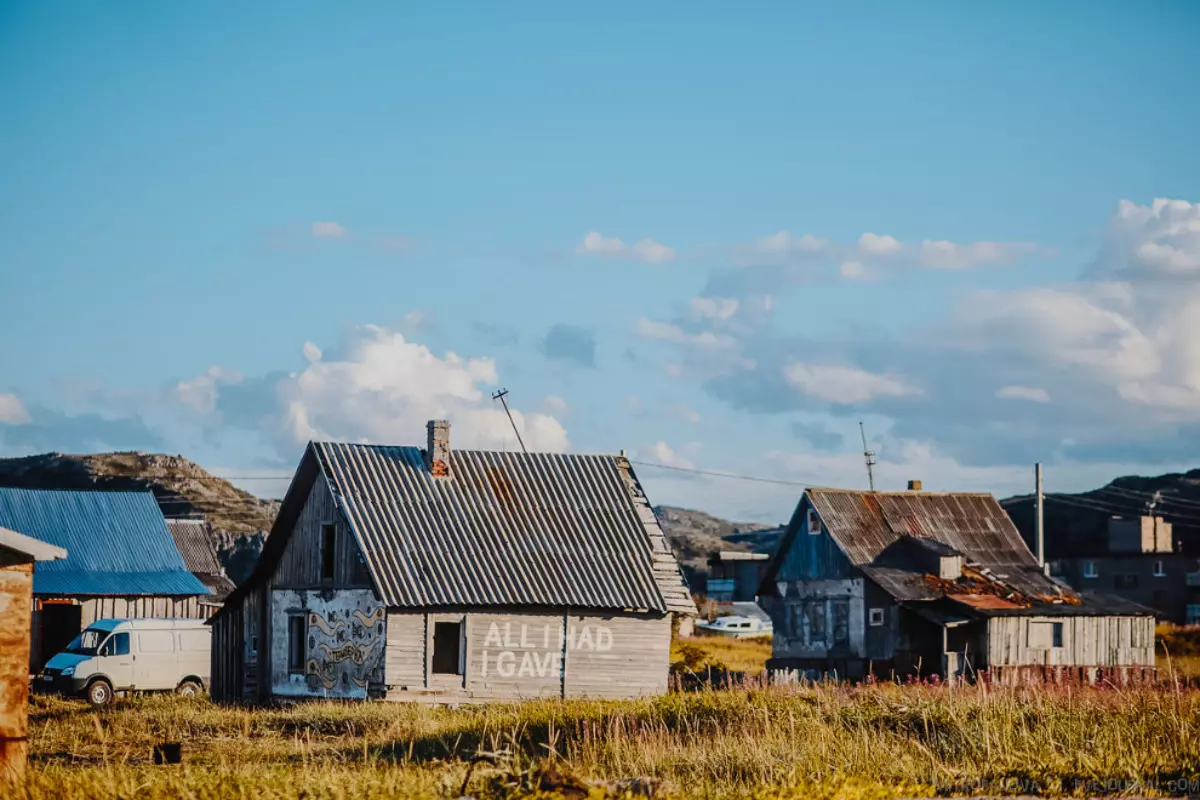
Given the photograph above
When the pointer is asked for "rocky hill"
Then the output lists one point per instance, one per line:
(181, 487)
(694, 535)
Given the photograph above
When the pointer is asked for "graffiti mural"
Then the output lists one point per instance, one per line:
(343, 642)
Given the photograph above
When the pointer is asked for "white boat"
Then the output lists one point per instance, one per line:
(736, 626)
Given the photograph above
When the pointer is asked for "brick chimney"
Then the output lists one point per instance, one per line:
(437, 447)
(914, 486)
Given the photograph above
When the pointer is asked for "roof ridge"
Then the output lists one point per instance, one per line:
(453, 450)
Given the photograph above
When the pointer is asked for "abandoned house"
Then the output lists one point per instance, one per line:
(194, 540)
(121, 562)
(453, 576)
(1140, 561)
(923, 583)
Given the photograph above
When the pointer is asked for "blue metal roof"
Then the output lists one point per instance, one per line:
(117, 543)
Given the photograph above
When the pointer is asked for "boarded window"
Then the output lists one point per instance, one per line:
(296, 643)
(195, 641)
(875, 617)
(1040, 636)
(841, 622)
(328, 543)
(447, 639)
(156, 642)
(816, 622)
(117, 645)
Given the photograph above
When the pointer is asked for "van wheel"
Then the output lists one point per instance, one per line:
(99, 693)
(189, 688)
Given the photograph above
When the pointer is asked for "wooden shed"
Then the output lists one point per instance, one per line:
(929, 583)
(17, 556)
(452, 577)
(123, 562)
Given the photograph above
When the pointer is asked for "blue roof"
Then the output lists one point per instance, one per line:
(117, 543)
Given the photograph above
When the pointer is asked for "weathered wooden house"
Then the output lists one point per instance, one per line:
(122, 562)
(194, 540)
(923, 583)
(17, 556)
(445, 577)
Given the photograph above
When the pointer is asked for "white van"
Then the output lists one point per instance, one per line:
(131, 655)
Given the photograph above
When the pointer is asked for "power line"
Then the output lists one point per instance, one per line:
(714, 474)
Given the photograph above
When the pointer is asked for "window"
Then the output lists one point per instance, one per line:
(1089, 570)
(447, 637)
(254, 644)
(1159, 572)
(1056, 634)
(841, 622)
(814, 523)
(156, 642)
(117, 645)
(816, 622)
(328, 541)
(296, 644)
(1125, 582)
(875, 617)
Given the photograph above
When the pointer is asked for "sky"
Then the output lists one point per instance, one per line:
(715, 236)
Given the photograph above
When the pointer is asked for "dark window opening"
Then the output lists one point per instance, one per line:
(841, 622)
(328, 541)
(1125, 581)
(447, 638)
(117, 645)
(1056, 634)
(296, 648)
(816, 622)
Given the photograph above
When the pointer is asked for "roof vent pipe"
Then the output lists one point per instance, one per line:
(437, 447)
(914, 486)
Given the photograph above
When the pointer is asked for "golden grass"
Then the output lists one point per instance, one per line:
(782, 742)
(741, 655)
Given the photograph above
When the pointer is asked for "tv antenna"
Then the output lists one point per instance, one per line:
(869, 456)
(500, 395)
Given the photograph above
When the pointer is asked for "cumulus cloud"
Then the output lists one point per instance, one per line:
(1160, 240)
(200, 393)
(840, 384)
(553, 404)
(1031, 393)
(661, 453)
(570, 343)
(783, 243)
(876, 245)
(667, 332)
(948, 255)
(645, 250)
(714, 308)
(13, 411)
(328, 230)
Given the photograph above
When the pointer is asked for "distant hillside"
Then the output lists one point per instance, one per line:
(1077, 524)
(181, 487)
(694, 535)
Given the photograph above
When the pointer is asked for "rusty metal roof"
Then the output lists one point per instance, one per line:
(981, 601)
(193, 537)
(864, 524)
(502, 529)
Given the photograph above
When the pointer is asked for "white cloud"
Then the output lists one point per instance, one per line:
(13, 411)
(875, 245)
(645, 250)
(714, 308)
(661, 453)
(852, 270)
(553, 404)
(1031, 393)
(383, 388)
(843, 385)
(666, 332)
(1161, 239)
(200, 393)
(312, 353)
(329, 230)
(948, 255)
(783, 243)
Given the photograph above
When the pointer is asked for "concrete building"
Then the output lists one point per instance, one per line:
(1139, 562)
(918, 583)
(17, 556)
(451, 577)
(122, 562)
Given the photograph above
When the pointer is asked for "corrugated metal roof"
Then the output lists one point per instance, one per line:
(525, 529)
(117, 543)
(193, 538)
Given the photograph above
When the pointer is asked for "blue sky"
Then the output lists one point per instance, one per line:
(193, 193)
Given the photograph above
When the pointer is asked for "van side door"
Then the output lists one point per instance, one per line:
(155, 665)
(195, 653)
(115, 660)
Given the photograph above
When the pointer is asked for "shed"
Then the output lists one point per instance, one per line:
(122, 562)
(451, 577)
(17, 556)
(916, 583)
(194, 540)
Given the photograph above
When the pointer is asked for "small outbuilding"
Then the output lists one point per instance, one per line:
(17, 556)
(122, 562)
(928, 583)
(194, 540)
(454, 577)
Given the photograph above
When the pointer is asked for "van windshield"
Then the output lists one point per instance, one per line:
(86, 643)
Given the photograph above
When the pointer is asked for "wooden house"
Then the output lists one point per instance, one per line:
(194, 540)
(122, 562)
(17, 556)
(452, 577)
(926, 583)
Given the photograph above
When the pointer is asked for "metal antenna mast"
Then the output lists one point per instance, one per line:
(500, 395)
(869, 456)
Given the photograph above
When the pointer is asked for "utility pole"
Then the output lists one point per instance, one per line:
(869, 456)
(500, 395)
(1039, 519)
